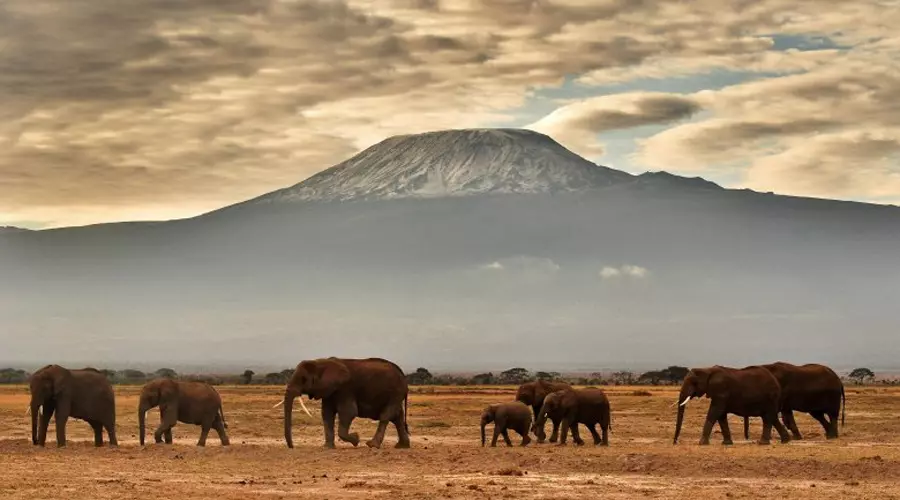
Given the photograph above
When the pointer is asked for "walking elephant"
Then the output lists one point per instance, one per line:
(196, 403)
(747, 392)
(513, 415)
(533, 394)
(811, 388)
(84, 394)
(578, 406)
(370, 388)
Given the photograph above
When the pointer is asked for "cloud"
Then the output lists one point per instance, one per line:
(160, 109)
(576, 125)
(625, 271)
(523, 266)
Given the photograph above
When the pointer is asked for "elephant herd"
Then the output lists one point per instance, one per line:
(377, 389)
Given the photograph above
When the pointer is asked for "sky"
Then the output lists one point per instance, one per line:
(154, 109)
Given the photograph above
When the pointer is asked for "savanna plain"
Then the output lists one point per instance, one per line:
(447, 460)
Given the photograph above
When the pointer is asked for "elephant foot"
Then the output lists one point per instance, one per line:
(402, 445)
(329, 446)
(562, 444)
(704, 442)
(785, 440)
(727, 442)
(764, 442)
(831, 436)
(541, 440)
(373, 444)
(601, 443)
(797, 437)
(579, 443)
(526, 440)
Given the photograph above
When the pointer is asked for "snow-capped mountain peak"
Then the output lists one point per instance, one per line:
(453, 163)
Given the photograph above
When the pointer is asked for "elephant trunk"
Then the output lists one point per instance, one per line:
(747, 428)
(288, 409)
(683, 397)
(142, 417)
(35, 409)
(538, 426)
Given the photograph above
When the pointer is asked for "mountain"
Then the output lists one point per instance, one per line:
(467, 249)
(453, 163)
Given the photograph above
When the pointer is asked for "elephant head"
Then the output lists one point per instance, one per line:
(46, 385)
(487, 416)
(159, 392)
(695, 385)
(555, 405)
(318, 379)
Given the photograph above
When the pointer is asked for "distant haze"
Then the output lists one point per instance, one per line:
(466, 250)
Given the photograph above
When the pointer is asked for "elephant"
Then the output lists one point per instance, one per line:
(512, 415)
(811, 388)
(372, 388)
(571, 407)
(747, 392)
(533, 394)
(84, 394)
(195, 403)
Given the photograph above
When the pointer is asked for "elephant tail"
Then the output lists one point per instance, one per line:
(843, 406)
(222, 416)
(405, 408)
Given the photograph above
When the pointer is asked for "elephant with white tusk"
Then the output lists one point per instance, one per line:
(370, 388)
(84, 394)
(747, 392)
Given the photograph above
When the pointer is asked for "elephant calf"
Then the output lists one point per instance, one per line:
(514, 415)
(588, 406)
(195, 403)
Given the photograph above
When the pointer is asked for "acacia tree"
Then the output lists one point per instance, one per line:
(247, 376)
(860, 375)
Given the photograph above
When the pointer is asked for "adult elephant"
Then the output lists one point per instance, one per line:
(195, 403)
(84, 394)
(811, 388)
(588, 407)
(747, 392)
(533, 394)
(372, 388)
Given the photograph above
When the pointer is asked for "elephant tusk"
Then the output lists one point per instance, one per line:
(28, 411)
(41, 411)
(304, 406)
(686, 401)
(278, 404)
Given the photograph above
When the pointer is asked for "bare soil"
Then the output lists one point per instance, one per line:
(447, 461)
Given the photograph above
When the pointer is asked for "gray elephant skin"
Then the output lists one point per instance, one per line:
(747, 392)
(505, 416)
(196, 403)
(533, 394)
(84, 394)
(372, 388)
(589, 407)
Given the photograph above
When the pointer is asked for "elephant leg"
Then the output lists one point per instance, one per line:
(47, 414)
(726, 431)
(523, 431)
(204, 432)
(712, 416)
(347, 411)
(554, 435)
(402, 433)
(820, 417)
(791, 424)
(604, 429)
(98, 432)
(496, 435)
(111, 432)
(576, 435)
(594, 434)
(328, 415)
(505, 433)
(376, 440)
(219, 426)
(61, 416)
(538, 431)
(167, 418)
(564, 432)
(832, 431)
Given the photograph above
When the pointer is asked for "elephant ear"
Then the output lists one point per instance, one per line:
(527, 393)
(168, 391)
(60, 380)
(568, 400)
(330, 376)
(702, 375)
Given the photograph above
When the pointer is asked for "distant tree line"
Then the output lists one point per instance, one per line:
(672, 375)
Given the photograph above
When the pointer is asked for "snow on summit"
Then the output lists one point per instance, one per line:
(453, 163)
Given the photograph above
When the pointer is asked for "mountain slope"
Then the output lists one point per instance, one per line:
(453, 163)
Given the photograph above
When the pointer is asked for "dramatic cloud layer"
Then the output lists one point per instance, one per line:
(159, 109)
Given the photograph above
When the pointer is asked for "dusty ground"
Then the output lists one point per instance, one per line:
(447, 461)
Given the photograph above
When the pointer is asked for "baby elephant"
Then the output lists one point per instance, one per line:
(189, 402)
(588, 407)
(513, 415)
